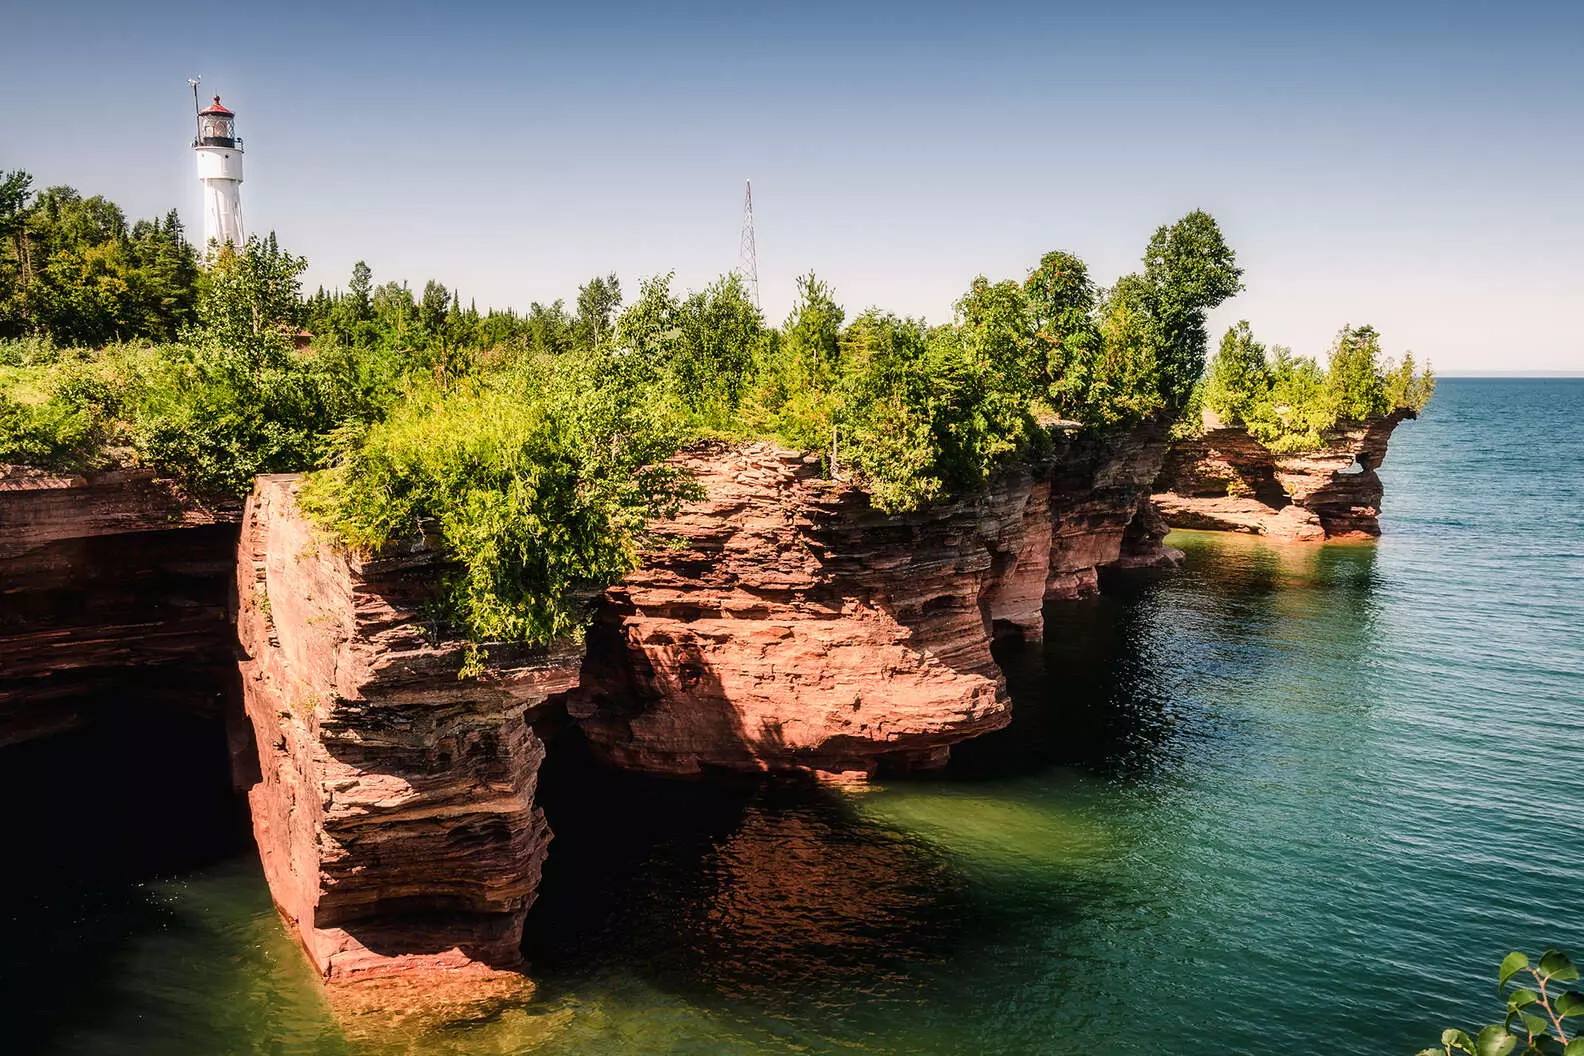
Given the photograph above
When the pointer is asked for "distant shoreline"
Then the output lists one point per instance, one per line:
(1515, 374)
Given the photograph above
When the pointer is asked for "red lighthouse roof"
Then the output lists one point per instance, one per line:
(217, 109)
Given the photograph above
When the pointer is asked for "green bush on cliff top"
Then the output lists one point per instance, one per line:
(536, 444)
(1290, 402)
(540, 480)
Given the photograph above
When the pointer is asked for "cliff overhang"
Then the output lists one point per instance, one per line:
(1226, 480)
(779, 625)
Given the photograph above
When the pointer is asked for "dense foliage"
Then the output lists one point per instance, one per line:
(73, 271)
(234, 399)
(540, 478)
(536, 443)
(1290, 402)
(1538, 1008)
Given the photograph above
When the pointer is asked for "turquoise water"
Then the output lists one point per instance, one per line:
(1283, 800)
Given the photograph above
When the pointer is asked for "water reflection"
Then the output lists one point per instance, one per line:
(135, 918)
(765, 896)
(1128, 683)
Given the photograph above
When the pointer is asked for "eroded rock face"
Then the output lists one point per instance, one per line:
(1339, 483)
(786, 625)
(395, 817)
(113, 590)
(1225, 480)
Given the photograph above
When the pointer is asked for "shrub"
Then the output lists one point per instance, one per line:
(69, 415)
(1538, 1009)
(215, 417)
(540, 480)
(1289, 403)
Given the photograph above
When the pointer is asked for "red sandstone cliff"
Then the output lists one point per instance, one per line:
(396, 816)
(784, 624)
(1225, 480)
(113, 593)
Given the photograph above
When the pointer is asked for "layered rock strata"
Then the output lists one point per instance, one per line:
(783, 624)
(113, 591)
(395, 816)
(1225, 480)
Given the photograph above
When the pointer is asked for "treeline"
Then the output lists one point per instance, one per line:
(542, 459)
(73, 271)
(538, 442)
(1290, 403)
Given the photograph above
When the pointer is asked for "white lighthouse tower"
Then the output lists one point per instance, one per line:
(220, 171)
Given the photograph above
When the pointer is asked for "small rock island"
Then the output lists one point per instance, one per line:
(1285, 448)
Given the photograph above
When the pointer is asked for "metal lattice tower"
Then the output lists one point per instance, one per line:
(748, 263)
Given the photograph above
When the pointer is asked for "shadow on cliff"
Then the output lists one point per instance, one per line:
(469, 855)
(623, 685)
(768, 893)
(1110, 684)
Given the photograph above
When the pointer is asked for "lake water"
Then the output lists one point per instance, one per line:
(1283, 800)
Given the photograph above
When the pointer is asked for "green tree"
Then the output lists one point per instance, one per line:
(360, 290)
(1408, 388)
(719, 331)
(351, 316)
(395, 313)
(1355, 382)
(1139, 351)
(598, 302)
(251, 299)
(1062, 300)
(650, 329)
(547, 328)
(432, 308)
(1238, 380)
(793, 394)
(884, 421)
(1189, 269)
(998, 325)
(1124, 373)
(163, 278)
(16, 190)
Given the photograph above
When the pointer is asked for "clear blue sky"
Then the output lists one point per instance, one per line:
(1414, 166)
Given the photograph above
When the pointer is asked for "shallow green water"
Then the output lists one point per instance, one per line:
(1284, 800)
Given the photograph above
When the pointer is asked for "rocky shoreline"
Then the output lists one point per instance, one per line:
(778, 625)
(1225, 480)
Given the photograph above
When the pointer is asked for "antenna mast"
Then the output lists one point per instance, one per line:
(749, 262)
(192, 82)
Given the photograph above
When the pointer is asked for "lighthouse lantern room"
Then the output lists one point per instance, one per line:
(219, 152)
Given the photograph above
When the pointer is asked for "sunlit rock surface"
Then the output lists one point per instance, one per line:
(395, 816)
(1225, 480)
(783, 624)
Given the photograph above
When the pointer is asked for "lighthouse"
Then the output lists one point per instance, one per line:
(219, 154)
